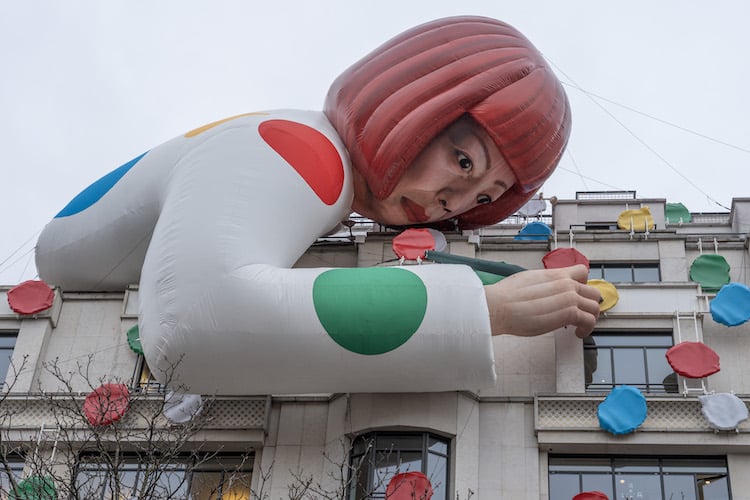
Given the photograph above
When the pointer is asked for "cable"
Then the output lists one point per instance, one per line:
(19, 248)
(643, 143)
(575, 164)
(655, 118)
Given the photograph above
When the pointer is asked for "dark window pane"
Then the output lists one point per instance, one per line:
(597, 482)
(658, 367)
(438, 446)
(716, 466)
(714, 488)
(627, 465)
(595, 273)
(642, 274)
(580, 464)
(637, 486)
(618, 274)
(7, 341)
(205, 485)
(387, 442)
(629, 367)
(603, 372)
(437, 473)
(563, 486)
(680, 486)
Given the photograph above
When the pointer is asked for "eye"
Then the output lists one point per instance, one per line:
(464, 161)
(483, 199)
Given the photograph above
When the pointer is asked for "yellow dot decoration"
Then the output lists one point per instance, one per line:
(211, 125)
(609, 294)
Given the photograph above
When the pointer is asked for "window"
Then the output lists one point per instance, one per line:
(221, 477)
(15, 464)
(7, 344)
(637, 359)
(652, 478)
(600, 226)
(143, 379)
(378, 456)
(625, 273)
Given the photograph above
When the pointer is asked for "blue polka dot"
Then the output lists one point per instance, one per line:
(95, 191)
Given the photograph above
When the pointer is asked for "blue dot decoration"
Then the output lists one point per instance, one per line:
(95, 191)
(623, 410)
(731, 306)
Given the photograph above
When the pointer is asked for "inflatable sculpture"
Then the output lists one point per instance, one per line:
(210, 223)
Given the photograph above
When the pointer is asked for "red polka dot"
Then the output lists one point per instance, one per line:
(30, 297)
(311, 154)
(564, 257)
(106, 404)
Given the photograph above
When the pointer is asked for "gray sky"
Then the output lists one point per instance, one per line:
(87, 85)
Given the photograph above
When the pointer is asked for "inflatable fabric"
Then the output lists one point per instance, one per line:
(693, 359)
(639, 220)
(106, 404)
(180, 408)
(677, 213)
(731, 306)
(623, 410)
(591, 495)
(564, 257)
(711, 270)
(35, 488)
(30, 297)
(409, 486)
(210, 224)
(609, 293)
(723, 411)
(534, 231)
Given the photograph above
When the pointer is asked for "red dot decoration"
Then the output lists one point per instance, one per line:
(106, 404)
(31, 297)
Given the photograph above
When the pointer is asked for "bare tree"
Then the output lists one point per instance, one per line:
(65, 445)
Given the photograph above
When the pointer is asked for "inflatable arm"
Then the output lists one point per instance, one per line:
(227, 211)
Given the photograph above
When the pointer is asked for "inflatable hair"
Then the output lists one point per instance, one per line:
(389, 105)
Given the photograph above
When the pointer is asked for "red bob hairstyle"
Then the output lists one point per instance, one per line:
(389, 105)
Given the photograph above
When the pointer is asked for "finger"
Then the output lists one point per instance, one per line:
(579, 272)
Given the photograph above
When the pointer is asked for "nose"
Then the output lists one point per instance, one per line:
(456, 198)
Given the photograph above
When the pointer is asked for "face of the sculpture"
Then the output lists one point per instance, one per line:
(459, 169)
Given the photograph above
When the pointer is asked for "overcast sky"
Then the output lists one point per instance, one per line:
(659, 88)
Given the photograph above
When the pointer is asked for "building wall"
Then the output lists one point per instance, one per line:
(499, 437)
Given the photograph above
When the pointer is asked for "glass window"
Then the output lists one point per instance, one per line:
(221, 477)
(143, 379)
(625, 272)
(378, 456)
(637, 359)
(653, 478)
(7, 344)
(15, 464)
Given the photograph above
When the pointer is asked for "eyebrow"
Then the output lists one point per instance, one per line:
(502, 184)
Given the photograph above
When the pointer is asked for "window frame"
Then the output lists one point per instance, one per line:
(188, 465)
(366, 459)
(7, 334)
(618, 467)
(143, 381)
(16, 463)
(600, 268)
(645, 384)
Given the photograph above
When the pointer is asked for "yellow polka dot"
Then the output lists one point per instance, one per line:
(609, 294)
(202, 129)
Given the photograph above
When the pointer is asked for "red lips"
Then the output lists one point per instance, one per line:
(414, 211)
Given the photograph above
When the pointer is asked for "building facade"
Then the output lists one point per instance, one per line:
(536, 435)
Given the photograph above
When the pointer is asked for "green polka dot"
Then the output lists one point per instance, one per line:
(370, 310)
(134, 340)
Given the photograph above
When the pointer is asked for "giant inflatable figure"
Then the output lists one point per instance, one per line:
(457, 121)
